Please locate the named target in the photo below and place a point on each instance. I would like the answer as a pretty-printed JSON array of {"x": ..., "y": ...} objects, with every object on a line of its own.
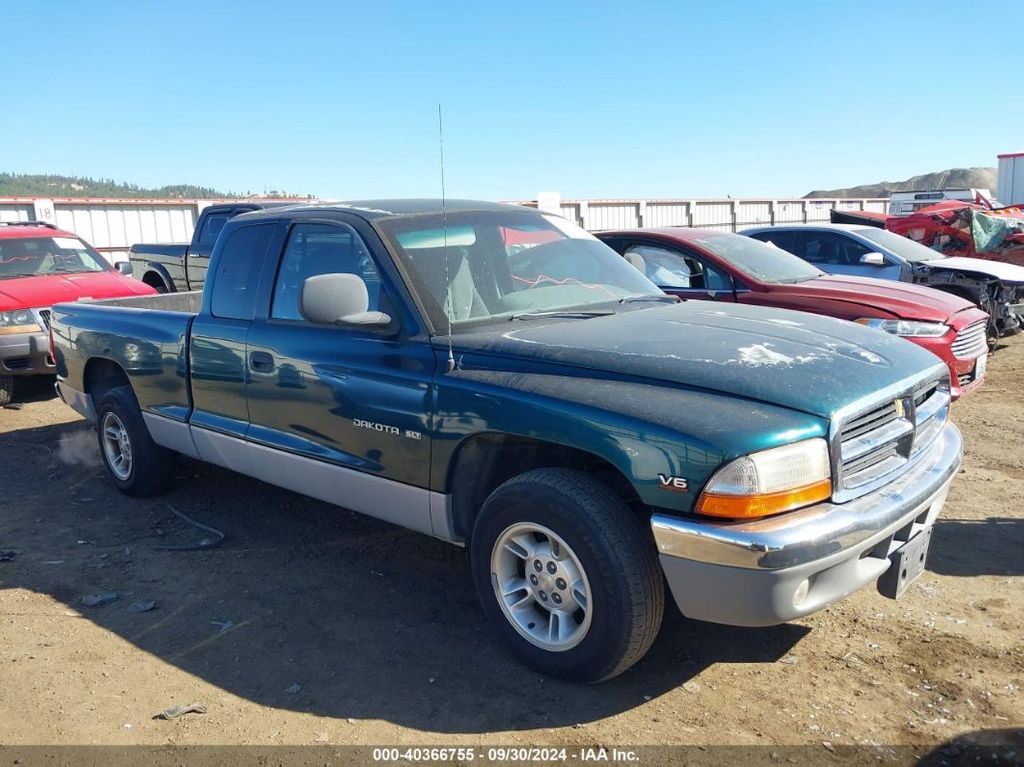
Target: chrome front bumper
[
  {"x": 754, "y": 573},
  {"x": 26, "y": 354}
]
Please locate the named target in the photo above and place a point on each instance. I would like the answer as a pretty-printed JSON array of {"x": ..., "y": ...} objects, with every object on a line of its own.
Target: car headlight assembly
[
  {"x": 907, "y": 328},
  {"x": 19, "y": 321},
  {"x": 769, "y": 482}
]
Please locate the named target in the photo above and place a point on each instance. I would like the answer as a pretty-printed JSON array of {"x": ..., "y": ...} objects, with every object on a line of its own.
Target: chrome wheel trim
[
  {"x": 117, "y": 447},
  {"x": 541, "y": 587}
]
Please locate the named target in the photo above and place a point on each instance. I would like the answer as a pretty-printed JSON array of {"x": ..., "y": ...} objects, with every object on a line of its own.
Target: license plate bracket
[
  {"x": 979, "y": 367},
  {"x": 907, "y": 562}
]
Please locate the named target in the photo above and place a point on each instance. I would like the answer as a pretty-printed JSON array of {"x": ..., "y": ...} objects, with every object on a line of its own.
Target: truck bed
[
  {"x": 187, "y": 303},
  {"x": 145, "y": 336},
  {"x": 173, "y": 250}
]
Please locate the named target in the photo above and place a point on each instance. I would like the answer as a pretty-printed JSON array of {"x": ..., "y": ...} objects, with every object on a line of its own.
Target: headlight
[
  {"x": 769, "y": 481},
  {"x": 19, "y": 321},
  {"x": 909, "y": 328}
]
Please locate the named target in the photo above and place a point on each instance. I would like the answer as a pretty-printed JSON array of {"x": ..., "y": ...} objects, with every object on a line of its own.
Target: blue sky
[{"x": 591, "y": 99}]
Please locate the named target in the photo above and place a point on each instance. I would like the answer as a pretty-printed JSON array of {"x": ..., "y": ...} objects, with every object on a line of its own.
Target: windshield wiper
[
  {"x": 648, "y": 297},
  {"x": 569, "y": 315}
]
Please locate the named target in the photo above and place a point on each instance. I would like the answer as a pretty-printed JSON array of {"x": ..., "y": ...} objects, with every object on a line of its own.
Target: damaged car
[{"x": 865, "y": 250}]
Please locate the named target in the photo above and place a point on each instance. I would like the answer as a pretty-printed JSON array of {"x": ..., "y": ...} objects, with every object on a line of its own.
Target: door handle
[{"x": 261, "y": 362}]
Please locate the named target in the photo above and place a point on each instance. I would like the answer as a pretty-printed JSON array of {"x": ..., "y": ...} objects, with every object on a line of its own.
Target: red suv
[
  {"x": 721, "y": 266},
  {"x": 41, "y": 265}
]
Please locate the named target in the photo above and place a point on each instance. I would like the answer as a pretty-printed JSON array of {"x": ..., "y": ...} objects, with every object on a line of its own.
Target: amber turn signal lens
[{"x": 765, "y": 504}]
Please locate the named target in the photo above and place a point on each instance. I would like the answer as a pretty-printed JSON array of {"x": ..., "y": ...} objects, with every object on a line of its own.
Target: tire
[
  {"x": 6, "y": 390},
  {"x": 592, "y": 550},
  {"x": 146, "y": 468}
]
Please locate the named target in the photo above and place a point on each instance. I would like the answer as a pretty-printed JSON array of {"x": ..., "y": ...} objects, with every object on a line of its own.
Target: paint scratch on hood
[{"x": 758, "y": 355}]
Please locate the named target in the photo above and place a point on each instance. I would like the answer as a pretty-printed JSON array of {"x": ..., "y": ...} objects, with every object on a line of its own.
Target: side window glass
[
  {"x": 211, "y": 229},
  {"x": 663, "y": 267},
  {"x": 716, "y": 280},
  {"x": 314, "y": 249},
  {"x": 786, "y": 240},
  {"x": 853, "y": 250},
  {"x": 238, "y": 268},
  {"x": 832, "y": 248}
]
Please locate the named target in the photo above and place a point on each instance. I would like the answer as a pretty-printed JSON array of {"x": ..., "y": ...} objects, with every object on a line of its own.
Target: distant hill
[
  {"x": 955, "y": 178},
  {"x": 39, "y": 185}
]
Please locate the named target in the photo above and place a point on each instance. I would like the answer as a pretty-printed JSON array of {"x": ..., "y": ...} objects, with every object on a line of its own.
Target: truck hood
[
  {"x": 905, "y": 301},
  {"x": 47, "y": 290},
  {"x": 800, "y": 361},
  {"x": 997, "y": 269}
]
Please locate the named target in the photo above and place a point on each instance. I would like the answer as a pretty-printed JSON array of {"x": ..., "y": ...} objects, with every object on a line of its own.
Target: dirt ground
[{"x": 314, "y": 625}]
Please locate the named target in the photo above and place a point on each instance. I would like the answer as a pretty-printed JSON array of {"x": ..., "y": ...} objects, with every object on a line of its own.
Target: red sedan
[
  {"x": 41, "y": 265},
  {"x": 720, "y": 266}
]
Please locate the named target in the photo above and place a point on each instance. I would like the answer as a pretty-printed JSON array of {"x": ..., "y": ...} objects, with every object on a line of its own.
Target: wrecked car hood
[
  {"x": 902, "y": 299},
  {"x": 801, "y": 361},
  {"x": 997, "y": 269}
]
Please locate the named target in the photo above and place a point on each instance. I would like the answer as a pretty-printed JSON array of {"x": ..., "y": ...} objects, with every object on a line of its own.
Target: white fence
[
  {"x": 728, "y": 214},
  {"x": 114, "y": 225},
  {"x": 110, "y": 225}
]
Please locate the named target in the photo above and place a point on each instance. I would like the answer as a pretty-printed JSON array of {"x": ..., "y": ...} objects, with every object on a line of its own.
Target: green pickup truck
[{"x": 497, "y": 377}]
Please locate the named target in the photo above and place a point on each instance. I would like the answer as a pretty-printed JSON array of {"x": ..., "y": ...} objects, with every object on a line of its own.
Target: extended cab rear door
[
  {"x": 345, "y": 408},
  {"x": 217, "y": 345}
]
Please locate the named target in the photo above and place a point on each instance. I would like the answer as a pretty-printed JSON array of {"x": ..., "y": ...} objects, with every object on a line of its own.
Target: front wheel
[{"x": 568, "y": 575}]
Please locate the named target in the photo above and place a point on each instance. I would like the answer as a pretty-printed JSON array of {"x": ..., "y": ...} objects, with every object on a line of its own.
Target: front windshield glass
[
  {"x": 901, "y": 246},
  {"x": 39, "y": 256},
  {"x": 487, "y": 265},
  {"x": 763, "y": 262}
]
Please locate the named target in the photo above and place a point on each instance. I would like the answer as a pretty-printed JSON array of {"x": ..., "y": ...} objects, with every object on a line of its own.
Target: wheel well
[
  {"x": 154, "y": 280},
  {"x": 485, "y": 461},
  {"x": 102, "y": 375}
]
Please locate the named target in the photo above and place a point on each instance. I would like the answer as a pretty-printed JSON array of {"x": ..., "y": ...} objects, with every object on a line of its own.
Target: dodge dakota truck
[
  {"x": 497, "y": 377},
  {"x": 170, "y": 268}
]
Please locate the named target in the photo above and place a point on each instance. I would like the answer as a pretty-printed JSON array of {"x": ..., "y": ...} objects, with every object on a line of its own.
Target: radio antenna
[{"x": 444, "y": 228}]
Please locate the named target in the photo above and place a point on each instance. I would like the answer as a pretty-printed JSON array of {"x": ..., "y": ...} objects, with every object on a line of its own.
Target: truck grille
[
  {"x": 871, "y": 444},
  {"x": 44, "y": 316},
  {"x": 970, "y": 342}
]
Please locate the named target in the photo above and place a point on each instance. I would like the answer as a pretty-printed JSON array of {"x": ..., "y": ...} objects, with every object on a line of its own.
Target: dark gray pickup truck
[
  {"x": 173, "y": 268},
  {"x": 500, "y": 379}
]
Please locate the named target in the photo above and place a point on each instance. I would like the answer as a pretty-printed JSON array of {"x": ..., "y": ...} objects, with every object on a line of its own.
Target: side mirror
[
  {"x": 339, "y": 299},
  {"x": 124, "y": 267},
  {"x": 873, "y": 259}
]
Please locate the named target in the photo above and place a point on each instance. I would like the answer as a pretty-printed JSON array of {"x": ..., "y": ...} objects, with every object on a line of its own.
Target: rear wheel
[
  {"x": 6, "y": 389},
  {"x": 567, "y": 574},
  {"x": 137, "y": 465}
]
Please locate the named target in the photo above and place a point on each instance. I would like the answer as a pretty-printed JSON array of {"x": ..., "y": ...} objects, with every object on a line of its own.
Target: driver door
[{"x": 349, "y": 406}]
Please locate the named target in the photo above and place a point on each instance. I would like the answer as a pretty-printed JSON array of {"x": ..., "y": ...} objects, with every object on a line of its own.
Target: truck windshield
[
  {"x": 763, "y": 262},
  {"x": 487, "y": 265},
  {"x": 39, "y": 256},
  {"x": 901, "y": 246}
]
